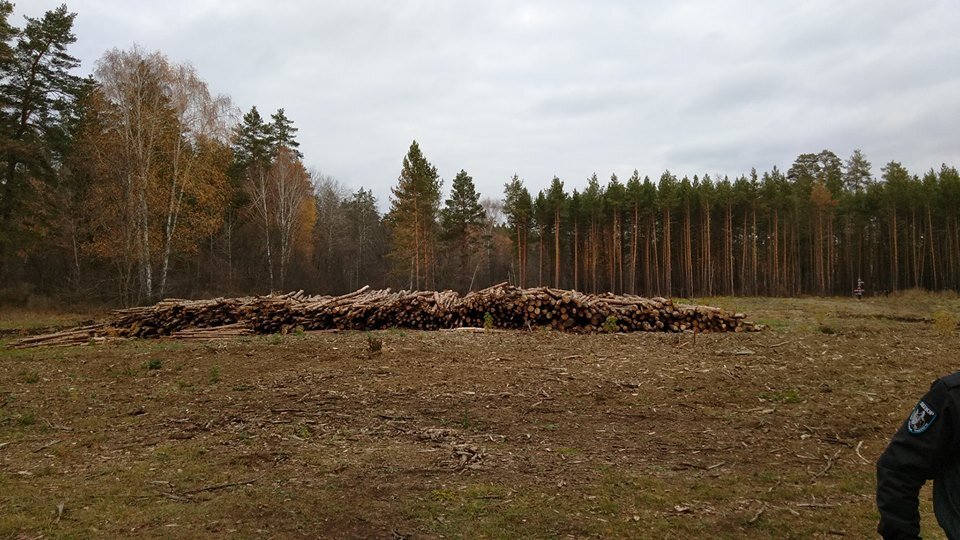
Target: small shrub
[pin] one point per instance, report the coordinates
(28, 418)
(820, 316)
(31, 377)
(785, 396)
(374, 344)
(487, 321)
(465, 421)
(214, 375)
(275, 339)
(610, 325)
(154, 364)
(944, 323)
(443, 495)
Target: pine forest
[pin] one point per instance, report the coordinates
(141, 183)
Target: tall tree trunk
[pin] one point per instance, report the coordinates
(933, 255)
(540, 257)
(633, 251)
(146, 269)
(520, 248)
(667, 254)
(775, 259)
(556, 247)
(708, 252)
(619, 251)
(754, 270)
(687, 255)
(895, 255)
(728, 252)
(576, 255)
(594, 254)
(658, 284)
(648, 287)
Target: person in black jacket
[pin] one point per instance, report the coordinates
(926, 447)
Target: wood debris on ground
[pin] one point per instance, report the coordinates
(501, 306)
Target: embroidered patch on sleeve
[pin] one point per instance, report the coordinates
(920, 419)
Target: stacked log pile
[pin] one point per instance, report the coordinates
(499, 306)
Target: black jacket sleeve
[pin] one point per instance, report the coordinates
(916, 453)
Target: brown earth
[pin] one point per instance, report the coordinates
(481, 435)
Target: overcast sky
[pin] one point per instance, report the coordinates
(565, 88)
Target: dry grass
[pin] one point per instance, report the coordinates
(23, 320)
(515, 434)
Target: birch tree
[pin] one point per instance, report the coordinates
(172, 134)
(290, 190)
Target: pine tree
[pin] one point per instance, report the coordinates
(593, 211)
(38, 97)
(649, 200)
(282, 134)
(556, 207)
(706, 194)
(574, 213)
(7, 33)
(857, 174)
(276, 184)
(365, 238)
(615, 201)
(413, 219)
(518, 207)
(253, 140)
(461, 219)
(667, 190)
(541, 222)
(896, 192)
(634, 199)
(253, 151)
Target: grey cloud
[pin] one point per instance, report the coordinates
(567, 88)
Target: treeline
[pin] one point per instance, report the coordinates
(818, 229)
(140, 183)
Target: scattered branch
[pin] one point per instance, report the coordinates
(829, 465)
(757, 515)
(218, 487)
(859, 455)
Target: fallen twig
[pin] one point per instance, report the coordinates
(859, 455)
(757, 515)
(816, 505)
(48, 445)
(829, 465)
(220, 486)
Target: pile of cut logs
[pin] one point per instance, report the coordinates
(499, 306)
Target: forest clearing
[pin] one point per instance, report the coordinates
(181, 161)
(412, 434)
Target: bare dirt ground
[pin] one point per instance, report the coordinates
(480, 435)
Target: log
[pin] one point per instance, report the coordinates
(364, 309)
